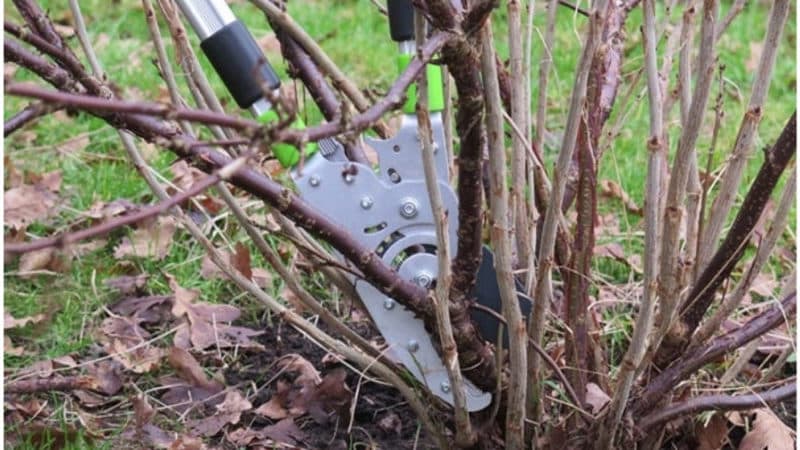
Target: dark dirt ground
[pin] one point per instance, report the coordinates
(382, 419)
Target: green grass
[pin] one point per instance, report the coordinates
(356, 37)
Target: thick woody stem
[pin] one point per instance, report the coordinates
(776, 229)
(732, 248)
(501, 240)
(655, 168)
(464, 434)
(743, 146)
(463, 63)
(544, 289)
(693, 360)
(669, 275)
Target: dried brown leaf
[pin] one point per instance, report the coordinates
(188, 368)
(285, 432)
(228, 412)
(612, 189)
(208, 323)
(596, 398)
(768, 432)
(32, 262)
(124, 340)
(74, 144)
(107, 377)
(152, 241)
(128, 284)
(10, 322)
(240, 260)
(31, 203)
(150, 309)
(104, 211)
(10, 349)
(262, 278)
(712, 435)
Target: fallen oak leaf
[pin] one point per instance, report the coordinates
(207, 322)
(150, 309)
(124, 340)
(239, 260)
(127, 284)
(188, 368)
(228, 412)
(596, 398)
(10, 322)
(151, 241)
(285, 432)
(28, 203)
(275, 408)
(193, 384)
(711, 435)
(768, 432)
(10, 349)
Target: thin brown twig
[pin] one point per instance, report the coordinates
(66, 239)
(29, 114)
(719, 402)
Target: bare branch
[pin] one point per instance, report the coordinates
(776, 229)
(742, 148)
(28, 115)
(501, 240)
(719, 402)
(689, 362)
(66, 239)
(340, 80)
(669, 274)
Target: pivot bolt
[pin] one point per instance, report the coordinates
(366, 202)
(388, 304)
(412, 346)
(423, 280)
(348, 178)
(445, 386)
(408, 208)
(314, 181)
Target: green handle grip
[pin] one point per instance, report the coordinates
(435, 86)
(287, 154)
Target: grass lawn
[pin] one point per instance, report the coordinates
(356, 37)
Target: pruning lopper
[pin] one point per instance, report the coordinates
(386, 208)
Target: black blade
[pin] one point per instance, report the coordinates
(487, 292)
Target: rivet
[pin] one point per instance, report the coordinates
(366, 202)
(423, 280)
(445, 387)
(314, 181)
(412, 345)
(408, 208)
(388, 304)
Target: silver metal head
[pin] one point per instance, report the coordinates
(207, 16)
(407, 47)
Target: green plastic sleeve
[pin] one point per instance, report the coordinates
(287, 154)
(435, 89)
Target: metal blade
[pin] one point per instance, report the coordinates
(487, 293)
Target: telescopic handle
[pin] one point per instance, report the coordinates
(231, 49)
(401, 20)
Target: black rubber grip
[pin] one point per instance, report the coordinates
(401, 20)
(240, 63)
